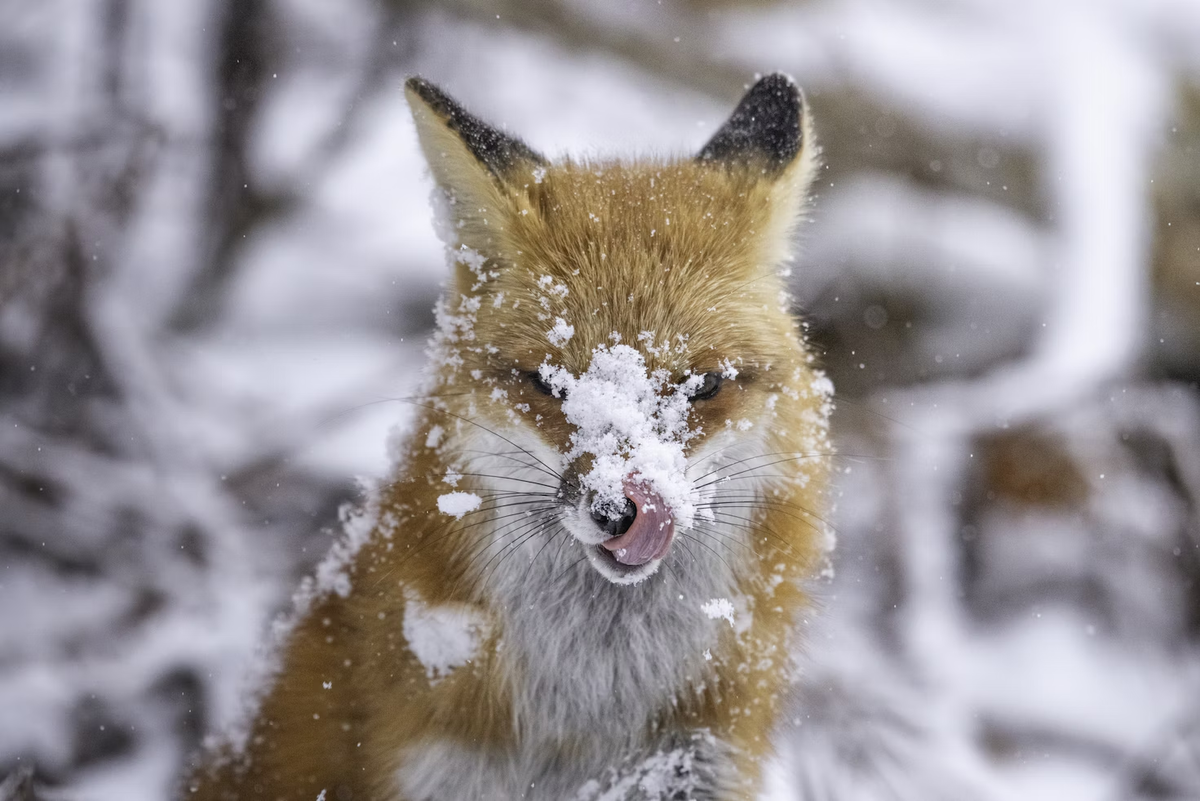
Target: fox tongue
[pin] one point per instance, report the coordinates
(650, 535)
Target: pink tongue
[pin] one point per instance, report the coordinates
(650, 535)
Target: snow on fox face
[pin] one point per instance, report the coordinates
(627, 458)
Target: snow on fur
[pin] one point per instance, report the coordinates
(718, 608)
(681, 772)
(458, 504)
(632, 423)
(441, 637)
(561, 333)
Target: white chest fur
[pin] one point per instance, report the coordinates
(589, 665)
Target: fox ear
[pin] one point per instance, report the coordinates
(477, 166)
(766, 130)
(769, 137)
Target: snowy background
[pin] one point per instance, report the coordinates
(216, 274)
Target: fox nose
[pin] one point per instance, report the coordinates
(618, 525)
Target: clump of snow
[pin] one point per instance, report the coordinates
(561, 333)
(633, 423)
(822, 385)
(556, 288)
(676, 773)
(718, 608)
(663, 347)
(475, 262)
(434, 437)
(442, 637)
(458, 504)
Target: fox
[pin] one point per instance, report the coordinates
(584, 574)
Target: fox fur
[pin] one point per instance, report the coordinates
(481, 653)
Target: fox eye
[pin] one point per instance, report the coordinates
(541, 386)
(709, 388)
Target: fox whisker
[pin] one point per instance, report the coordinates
(780, 505)
(795, 457)
(513, 547)
(717, 453)
(428, 537)
(506, 455)
(479, 547)
(512, 478)
(543, 466)
(733, 520)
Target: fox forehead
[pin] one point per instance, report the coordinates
(660, 254)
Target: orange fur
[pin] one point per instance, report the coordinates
(680, 248)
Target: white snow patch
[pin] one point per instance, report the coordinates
(434, 437)
(458, 504)
(555, 288)
(561, 333)
(442, 637)
(473, 259)
(822, 385)
(632, 423)
(665, 774)
(718, 608)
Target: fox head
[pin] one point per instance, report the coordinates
(625, 325)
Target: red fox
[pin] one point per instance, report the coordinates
(582, 578)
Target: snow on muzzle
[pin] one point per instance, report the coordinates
(650, 534)
(631, 428)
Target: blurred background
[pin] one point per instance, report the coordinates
(216, 273)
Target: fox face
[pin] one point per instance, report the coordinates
(625, 325)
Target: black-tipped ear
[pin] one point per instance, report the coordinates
(498, 151)
(766, 127)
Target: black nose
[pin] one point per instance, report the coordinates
(616, 526)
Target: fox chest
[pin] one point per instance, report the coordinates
(590, 669)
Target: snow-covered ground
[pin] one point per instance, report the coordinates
(217, 262)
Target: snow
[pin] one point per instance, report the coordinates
(457, 504)
(665, 774)
(442, 637)
(718, 608)
(561, 333)
(633, 423)
(434, 437)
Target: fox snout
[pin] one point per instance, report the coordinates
(625, 479)
(635, 531)
(644, 529)
(625, 539)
